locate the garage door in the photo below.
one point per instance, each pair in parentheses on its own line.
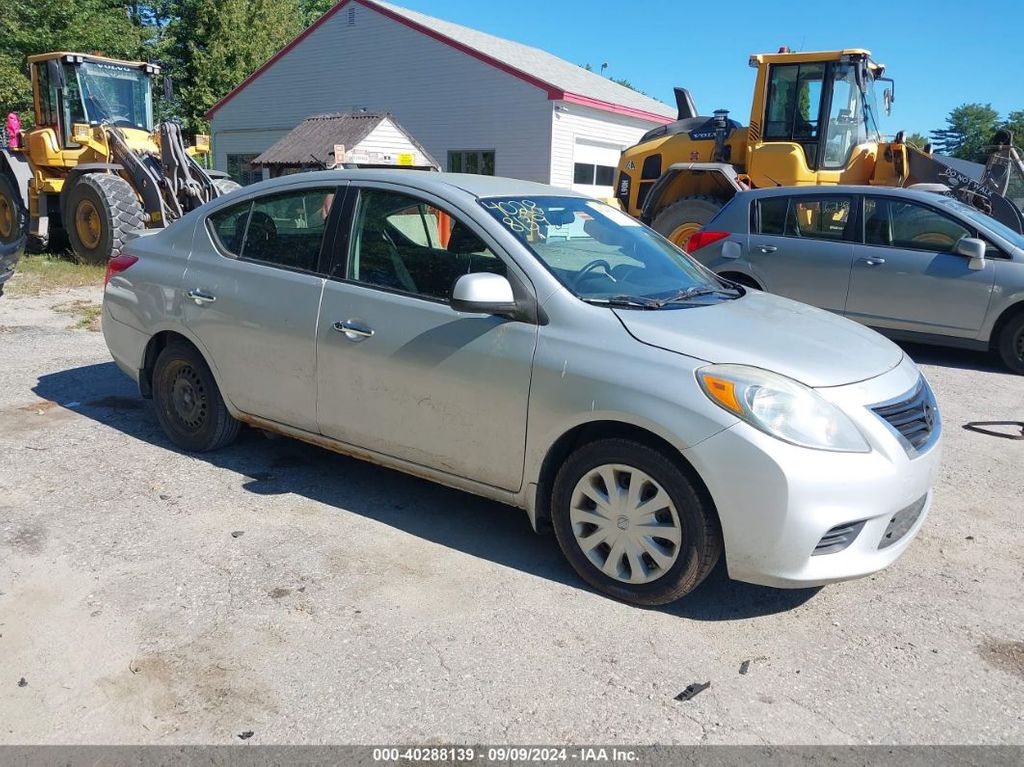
(594,165)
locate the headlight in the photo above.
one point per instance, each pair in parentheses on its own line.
(781,407)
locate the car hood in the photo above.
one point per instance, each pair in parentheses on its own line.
(809,345)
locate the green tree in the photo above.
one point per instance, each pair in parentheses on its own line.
(968,129)
(29,27)
(215,44)
(311,10)
(918,140)
(1015,124)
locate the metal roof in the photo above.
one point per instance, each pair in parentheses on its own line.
(316,136)
(561,79)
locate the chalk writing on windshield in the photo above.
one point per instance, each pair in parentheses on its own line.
(521,216)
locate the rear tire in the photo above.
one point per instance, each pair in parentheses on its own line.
(650,493)
(100,213)
(1011,344)
(678,222)
(189,406)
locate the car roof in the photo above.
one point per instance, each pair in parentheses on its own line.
(824,191)
(427,181)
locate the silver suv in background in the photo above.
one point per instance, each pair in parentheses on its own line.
(915,265)
(543,349)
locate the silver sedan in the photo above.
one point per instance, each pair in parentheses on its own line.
(542,349)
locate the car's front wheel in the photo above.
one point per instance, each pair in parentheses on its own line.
(188,403)
(632,524)
(1011,344)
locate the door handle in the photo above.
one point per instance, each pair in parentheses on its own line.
(873,261)
(767,248)
(350,329)
(201,296)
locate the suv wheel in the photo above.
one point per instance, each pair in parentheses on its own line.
(632,524)
(188,403)
(1011,344)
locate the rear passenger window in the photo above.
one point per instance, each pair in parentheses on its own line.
(819,218)
(228,227)
(407,245)
(287,229)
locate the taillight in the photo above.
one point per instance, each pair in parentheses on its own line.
(118,264)
(699,239)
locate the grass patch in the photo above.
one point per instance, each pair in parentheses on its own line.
(85,314)
(46,273)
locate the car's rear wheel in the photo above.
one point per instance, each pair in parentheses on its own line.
(188,403)
(632,524)
(1011,344)
(741,279)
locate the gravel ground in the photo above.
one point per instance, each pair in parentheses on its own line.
(147,596)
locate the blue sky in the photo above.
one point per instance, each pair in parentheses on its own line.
(942,53)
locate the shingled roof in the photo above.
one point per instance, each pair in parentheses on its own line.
(561,79)
(316,136)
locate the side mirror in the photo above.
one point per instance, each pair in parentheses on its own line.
(168,88)
(972,248)
(887,101)
(483,293)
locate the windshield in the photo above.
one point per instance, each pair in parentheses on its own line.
(852,116)
(110,93)
(601,254)
(984,222)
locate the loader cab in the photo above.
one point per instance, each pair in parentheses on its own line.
(814,118)
(74,89)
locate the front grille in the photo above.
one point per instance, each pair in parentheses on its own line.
(914,417)
(838,538)
(901,522)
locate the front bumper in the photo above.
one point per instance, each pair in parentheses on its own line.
(777,501)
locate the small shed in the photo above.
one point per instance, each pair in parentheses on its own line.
(345,140)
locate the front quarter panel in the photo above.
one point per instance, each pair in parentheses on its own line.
(1007,292)
(588,369)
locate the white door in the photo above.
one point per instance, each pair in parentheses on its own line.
(594,164)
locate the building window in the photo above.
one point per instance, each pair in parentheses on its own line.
(471,161)
(241,169)
(593,175)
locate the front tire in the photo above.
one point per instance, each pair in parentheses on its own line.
(100,213)
(1011,344)
(632,524)
(189,406)
(681,220)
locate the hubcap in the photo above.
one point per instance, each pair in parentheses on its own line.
(625,523)
(87,224)
(682,234)
(189,398)
(6,217)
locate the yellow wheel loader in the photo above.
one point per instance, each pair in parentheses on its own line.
(94,165)
(814,120)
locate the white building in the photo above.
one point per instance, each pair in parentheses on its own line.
(476,102)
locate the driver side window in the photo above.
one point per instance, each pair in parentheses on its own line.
(899,224)
(407,245)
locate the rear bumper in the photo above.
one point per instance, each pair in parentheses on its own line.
(126,344)
(778,501)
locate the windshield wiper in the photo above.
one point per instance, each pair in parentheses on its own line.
(694,292)
(629,302)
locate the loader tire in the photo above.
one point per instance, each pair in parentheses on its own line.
(225,186)
(100,213)
(13,221)
(678,222)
